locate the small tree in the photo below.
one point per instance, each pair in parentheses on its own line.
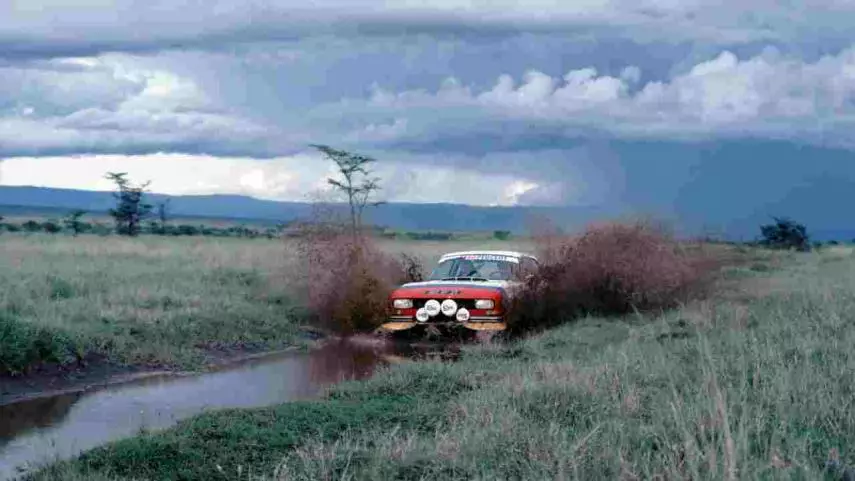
(130,209)
(162,216)
(73,223)
(357,183)
(785,233)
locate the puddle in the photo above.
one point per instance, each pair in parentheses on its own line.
(53,428)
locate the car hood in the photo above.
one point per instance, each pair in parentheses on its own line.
(494,284)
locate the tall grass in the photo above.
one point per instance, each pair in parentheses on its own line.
(753,383)
(154,300)
(147,300)
(715,390)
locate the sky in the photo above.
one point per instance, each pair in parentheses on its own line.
(716,113)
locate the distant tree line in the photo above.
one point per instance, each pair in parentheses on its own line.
(75,225)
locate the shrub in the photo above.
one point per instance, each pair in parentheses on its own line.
(785,233)
(31,226)
(23,346)
(51,227)
(186,229)
(440,236)
(610,269)
(346,280)
(502,235)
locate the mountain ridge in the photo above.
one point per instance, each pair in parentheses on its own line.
(399,215)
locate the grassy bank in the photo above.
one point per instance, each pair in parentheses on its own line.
(146,300)
(754,383)
(150,300)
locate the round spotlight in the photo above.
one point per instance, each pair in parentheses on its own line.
(449,307)
(432,307)
(463,314)
(422,315)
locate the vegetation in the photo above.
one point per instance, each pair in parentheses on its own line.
(356,183)
(609,269)
(502,234)
(131,208)
(73,222)
(754,383)
(785,233)
(145,301)
(158,301)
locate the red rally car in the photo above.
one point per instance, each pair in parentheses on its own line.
(471,289)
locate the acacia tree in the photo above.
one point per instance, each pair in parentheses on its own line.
(785,233)
(131,208)
(73,223)
(357,182)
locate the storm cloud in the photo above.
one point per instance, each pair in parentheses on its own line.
(544,102)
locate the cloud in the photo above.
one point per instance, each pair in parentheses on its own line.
(766,96)
(57,28)
(126,104)
(107,104)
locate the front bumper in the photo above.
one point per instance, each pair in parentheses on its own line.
(474,323)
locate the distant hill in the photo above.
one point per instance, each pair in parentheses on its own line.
(445,217)
(42,201)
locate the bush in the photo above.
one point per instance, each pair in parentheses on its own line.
(51,227)
(346,280)
(23,346)
(186,229)
(610,269)
(441,236)
(502,235)
(785,233)
(31,226)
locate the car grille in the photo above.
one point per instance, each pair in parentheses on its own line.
(467,303)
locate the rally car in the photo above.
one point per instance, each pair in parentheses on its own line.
(470,289)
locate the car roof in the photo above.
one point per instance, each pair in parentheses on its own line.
(486,252)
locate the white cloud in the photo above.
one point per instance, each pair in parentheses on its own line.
(111,104)
(766,96)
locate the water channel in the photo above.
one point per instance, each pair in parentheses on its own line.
(46,429)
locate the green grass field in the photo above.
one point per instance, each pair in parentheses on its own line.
(147,300)
(754,383)
(157,301)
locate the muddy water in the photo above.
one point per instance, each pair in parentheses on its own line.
(51,428)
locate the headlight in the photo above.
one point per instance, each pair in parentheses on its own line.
(449,307)
(484,304)
(402,303)
(432,307)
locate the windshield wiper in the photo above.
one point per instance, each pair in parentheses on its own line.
(464,278)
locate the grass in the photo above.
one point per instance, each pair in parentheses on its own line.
(146,300)
(157,301)
(755,383)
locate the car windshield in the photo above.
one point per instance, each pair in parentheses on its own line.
(483,268)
